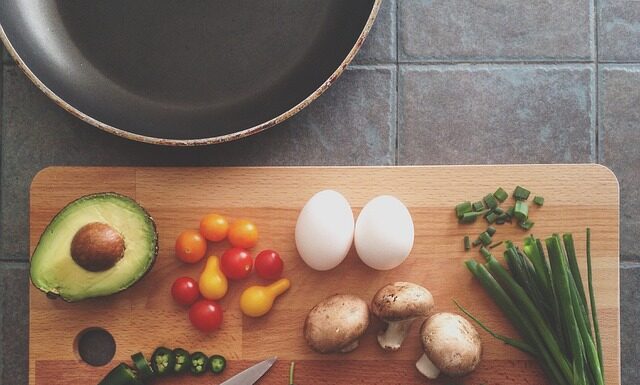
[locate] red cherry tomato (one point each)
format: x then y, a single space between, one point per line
206 315
185 291
269 265
236 263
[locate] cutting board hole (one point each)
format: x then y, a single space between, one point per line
95 346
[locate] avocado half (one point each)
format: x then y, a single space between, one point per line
97 245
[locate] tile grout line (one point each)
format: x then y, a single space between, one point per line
397 37
596 58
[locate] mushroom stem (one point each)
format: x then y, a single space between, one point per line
427 368
392 337
350 347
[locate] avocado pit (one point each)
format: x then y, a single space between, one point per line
97 247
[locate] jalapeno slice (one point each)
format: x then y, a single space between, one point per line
217 363
145 372
163 361
199 363
121 375
183 361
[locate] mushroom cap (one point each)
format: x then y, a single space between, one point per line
451 343
336 322
402 300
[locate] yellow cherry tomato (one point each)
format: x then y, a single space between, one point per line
256 301
214 227
213 284
243 233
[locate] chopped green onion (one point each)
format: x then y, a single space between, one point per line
467 243
463 208
478 206
485 238
491 230
477 242
510 211
495 245
538 200
500 194
491 217
490 201
470 217
521 193
498 211
500 221
521 211
527 224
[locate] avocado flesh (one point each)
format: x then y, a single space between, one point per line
54 271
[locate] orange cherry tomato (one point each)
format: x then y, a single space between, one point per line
214 227
243 233
190 246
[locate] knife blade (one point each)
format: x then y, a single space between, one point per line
251 375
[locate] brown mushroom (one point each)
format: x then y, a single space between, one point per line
399 304
336 324
97 247
451 345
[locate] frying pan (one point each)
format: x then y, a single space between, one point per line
184 72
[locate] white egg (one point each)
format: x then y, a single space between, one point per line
384 233
324 230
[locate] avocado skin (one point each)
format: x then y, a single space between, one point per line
79 202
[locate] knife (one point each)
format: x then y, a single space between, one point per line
251 375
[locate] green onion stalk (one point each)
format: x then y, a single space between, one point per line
544 298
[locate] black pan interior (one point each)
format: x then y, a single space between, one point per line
183 69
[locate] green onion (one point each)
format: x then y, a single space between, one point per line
478 206
511 211
521 211
546 303
491 230
495 245
521 193
500 194
485 238
467 243
498 211
476 242
463 208
490 201
538 200
470 217
500 220
491 217
527 224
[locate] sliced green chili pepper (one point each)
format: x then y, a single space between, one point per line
163 361
183 361
199 363
142 366
121 375
217 363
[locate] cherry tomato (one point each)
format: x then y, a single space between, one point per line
190 246
236 263
185 291
214 227
269 265
243 233
206 315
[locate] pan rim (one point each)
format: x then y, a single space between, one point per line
200 141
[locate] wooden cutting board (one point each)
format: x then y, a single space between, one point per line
144 316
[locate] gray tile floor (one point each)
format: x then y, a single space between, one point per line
438 81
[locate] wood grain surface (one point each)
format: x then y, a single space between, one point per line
144 316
